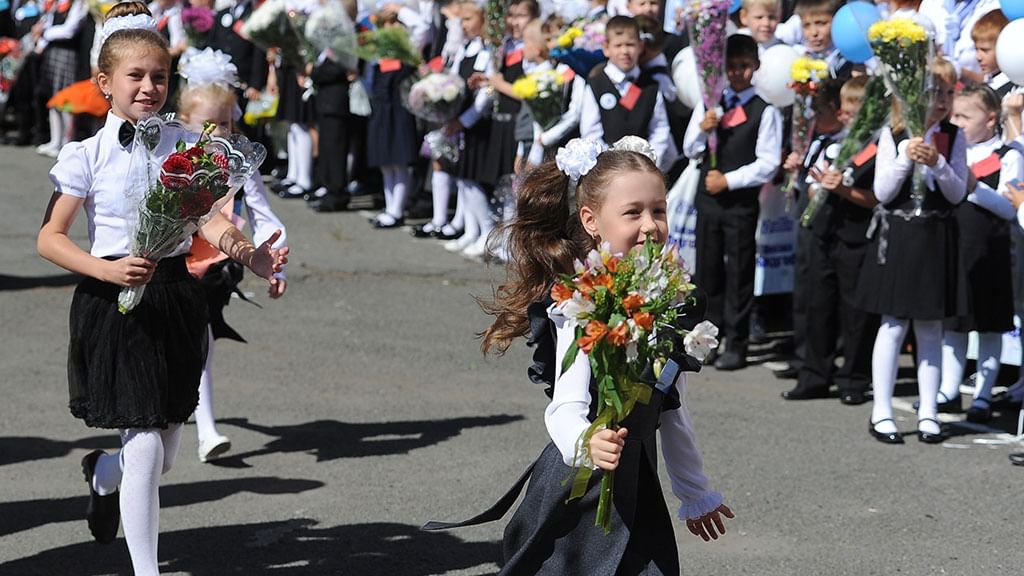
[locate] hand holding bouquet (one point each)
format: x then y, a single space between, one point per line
543 93
437 97
626 310
905 52
174 197
806 75
706 21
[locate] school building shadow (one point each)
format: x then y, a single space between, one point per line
28 514
297 547
331 439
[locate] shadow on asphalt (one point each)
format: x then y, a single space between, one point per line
28 514
296 547
331 439
29 282
16 449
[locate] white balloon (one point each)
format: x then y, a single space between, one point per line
684 74
772 79
1010 51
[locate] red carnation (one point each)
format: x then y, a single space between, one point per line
178 164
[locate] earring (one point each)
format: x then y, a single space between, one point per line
107 97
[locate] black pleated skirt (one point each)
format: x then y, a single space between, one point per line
394 139
501 150
474 159
985 271
140 369
919 279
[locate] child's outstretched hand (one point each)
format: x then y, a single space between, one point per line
606 447
710 525
276 290
268 260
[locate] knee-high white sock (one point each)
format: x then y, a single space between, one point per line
292 172
388 172
441 184
56 127
480 207
399 191
143 454
884 363
459 218
990 349
929 364
68 127
471 225
107 475
206 426
954 357
303 156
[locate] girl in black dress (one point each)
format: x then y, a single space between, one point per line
137 372
910 273
984 265
621 200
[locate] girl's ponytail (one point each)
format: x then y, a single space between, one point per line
543 239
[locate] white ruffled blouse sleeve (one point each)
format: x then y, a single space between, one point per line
566 416
684 462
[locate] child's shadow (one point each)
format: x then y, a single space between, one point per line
330 439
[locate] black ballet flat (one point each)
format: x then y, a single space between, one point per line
398 223
440 235
1017 459
852 397
928 437
947 406
884 437
103 513
980 412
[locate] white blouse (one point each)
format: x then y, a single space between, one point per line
96 170
893 166
566 421
1011 168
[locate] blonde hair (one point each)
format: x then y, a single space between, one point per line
853 89
190 95
124 44
766 4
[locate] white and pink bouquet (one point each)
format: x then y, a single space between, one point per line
174 188
706 21
437 97
627 310
198 22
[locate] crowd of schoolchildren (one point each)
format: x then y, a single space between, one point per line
871 270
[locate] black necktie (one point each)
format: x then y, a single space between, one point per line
733 101
126 134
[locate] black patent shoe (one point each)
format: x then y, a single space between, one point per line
852 397
884 437
442 235
295 192
1017 459
385 225
103 512
427 230
980 411
799 393
928 437
944 405
788 373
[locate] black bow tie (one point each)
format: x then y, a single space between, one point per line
126 134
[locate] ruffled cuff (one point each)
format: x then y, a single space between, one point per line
694 509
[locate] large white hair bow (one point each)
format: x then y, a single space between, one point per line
126 22
579 155
203 68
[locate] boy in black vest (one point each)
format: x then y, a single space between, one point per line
749 135
619 101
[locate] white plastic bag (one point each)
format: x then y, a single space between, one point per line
682 215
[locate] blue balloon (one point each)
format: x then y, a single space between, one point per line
850 30
736 4
1012 9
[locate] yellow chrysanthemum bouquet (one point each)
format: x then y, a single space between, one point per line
543 93
905 52
806 75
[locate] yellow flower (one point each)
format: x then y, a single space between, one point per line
525 88
569 36
904 30
806 69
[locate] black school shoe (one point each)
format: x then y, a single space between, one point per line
104 512
1017 459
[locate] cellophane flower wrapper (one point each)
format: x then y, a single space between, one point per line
280 24
905 52
870 118
806 75
625 309
330 30
174 187
436 97
543 94
438 146
706 23
388 43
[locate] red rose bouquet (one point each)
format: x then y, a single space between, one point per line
178 195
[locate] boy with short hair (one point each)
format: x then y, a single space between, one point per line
749 134
985 33
815 18
618 100
760 19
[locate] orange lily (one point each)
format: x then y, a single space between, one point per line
619 335
644 320
595 331
632 303
560 292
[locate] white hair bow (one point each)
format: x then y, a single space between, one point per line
126 22
579 156
208 67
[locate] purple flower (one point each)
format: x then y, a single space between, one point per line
197 18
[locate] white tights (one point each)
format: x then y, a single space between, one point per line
300 155
885 363
954 357
441 190
61 127
396 186
477 210
146 454
206 426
